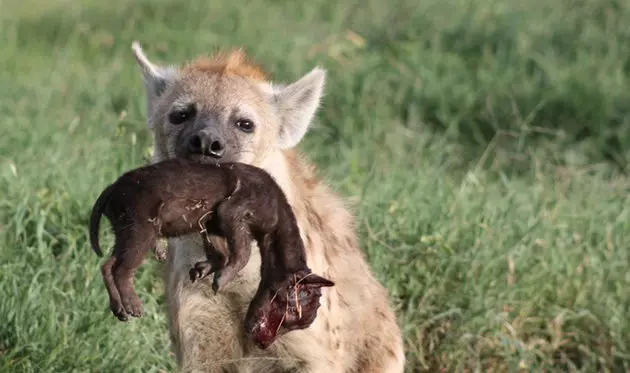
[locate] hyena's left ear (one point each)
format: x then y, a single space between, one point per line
296 105
156 78
313 280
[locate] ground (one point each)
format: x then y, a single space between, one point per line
483 145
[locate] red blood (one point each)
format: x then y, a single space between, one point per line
274 314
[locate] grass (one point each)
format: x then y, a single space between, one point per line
484 144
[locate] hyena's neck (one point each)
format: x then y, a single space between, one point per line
286 169
326 225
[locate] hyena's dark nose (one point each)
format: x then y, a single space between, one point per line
206 145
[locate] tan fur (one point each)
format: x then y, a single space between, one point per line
356 329
231 62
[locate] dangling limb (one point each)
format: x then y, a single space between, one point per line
235 228
131 249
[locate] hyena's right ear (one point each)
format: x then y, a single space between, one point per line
156 78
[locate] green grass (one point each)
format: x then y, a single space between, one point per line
484 144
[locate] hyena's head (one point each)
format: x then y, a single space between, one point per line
222 108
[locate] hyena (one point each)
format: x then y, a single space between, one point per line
224 108
234 201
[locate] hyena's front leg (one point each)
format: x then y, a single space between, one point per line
234 224
215 248
386 352
216 251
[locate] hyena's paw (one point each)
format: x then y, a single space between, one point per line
223 277
118 310
133 306
201 270
131 303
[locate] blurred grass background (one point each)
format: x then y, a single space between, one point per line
484 143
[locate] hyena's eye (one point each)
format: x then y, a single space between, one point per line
179 116
245 125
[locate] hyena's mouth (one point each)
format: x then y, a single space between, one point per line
204 159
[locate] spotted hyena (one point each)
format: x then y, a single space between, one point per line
223 108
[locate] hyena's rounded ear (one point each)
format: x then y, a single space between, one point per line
296 105
313 280
156 78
